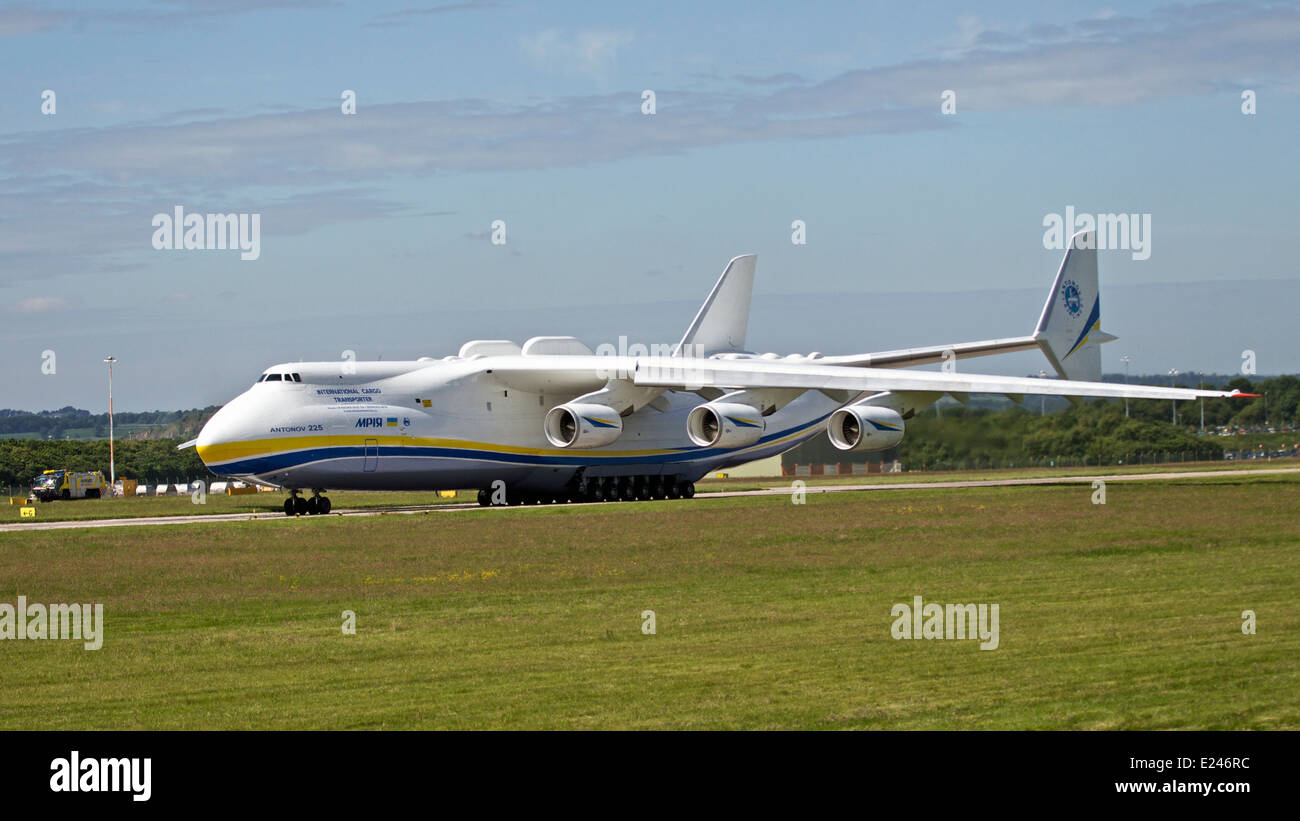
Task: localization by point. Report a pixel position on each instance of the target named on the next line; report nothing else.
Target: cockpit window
(273, 377)
(297, 377)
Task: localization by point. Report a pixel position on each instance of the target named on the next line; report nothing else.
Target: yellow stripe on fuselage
(235, 451)
(232, 451)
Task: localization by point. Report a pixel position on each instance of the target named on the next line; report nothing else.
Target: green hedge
(149, 460)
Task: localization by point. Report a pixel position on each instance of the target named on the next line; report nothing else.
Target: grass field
(915, 476)
(769, 615)
(148, 506)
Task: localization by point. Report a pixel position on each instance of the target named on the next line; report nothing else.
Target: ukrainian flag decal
(391, 421)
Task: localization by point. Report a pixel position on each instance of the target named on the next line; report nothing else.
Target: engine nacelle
(724, 425)
(579, 425)
(865, 427)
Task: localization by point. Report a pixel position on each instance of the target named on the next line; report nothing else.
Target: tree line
(1096, 431)
(149, 460)
(55, 424)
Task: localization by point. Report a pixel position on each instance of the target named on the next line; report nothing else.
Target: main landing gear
(599, 489)
(317, 505)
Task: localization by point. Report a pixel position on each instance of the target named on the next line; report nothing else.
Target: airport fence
(1138, 458)
(171, 487)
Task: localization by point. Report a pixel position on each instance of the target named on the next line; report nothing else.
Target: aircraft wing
(932, 354)
(757, 373)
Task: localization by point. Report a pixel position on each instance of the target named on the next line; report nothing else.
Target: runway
(782, 491)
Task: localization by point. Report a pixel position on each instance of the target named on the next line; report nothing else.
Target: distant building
(762, 468)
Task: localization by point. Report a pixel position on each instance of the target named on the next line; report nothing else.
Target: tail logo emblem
(1070, 294)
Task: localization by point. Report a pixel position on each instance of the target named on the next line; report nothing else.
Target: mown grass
(769, 615)
(712, 483)
(213, 503)
(151, 506)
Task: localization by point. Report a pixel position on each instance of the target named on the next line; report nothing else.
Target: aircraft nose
(226, 427)
(217, 430)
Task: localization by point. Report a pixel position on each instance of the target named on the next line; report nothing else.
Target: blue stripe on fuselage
(282, 461)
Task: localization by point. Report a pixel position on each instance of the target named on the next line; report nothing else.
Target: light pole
(1042, 399)
(112, 463)
(1200, 383)
(1173, 403)
(1124, 359)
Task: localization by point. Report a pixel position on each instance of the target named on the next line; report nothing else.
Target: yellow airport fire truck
(67, 484)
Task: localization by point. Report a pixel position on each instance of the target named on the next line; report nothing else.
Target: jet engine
(724, 425)
(865, 427)
(580, 425)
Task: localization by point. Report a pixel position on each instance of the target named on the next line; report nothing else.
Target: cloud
(590, 51)
(785, 78)
(1099, 61)
(402, 17)
(30, 18)
(87, 192)
(38, 305)
(62, 225)
(1203, 51)
(391, 141)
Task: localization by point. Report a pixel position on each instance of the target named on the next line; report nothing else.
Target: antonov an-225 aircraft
(552, 421)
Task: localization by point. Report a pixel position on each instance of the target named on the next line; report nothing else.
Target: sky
(376, 227)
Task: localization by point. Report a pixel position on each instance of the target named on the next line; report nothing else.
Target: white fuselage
(446, 424)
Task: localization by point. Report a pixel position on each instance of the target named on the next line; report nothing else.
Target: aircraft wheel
(299, 506)
(288, 506)
(643, 492)
(688, 490)
(673, 491)
(323, 506)
(627, 493)
(596, 493)
(313, 507)
(484, 498)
